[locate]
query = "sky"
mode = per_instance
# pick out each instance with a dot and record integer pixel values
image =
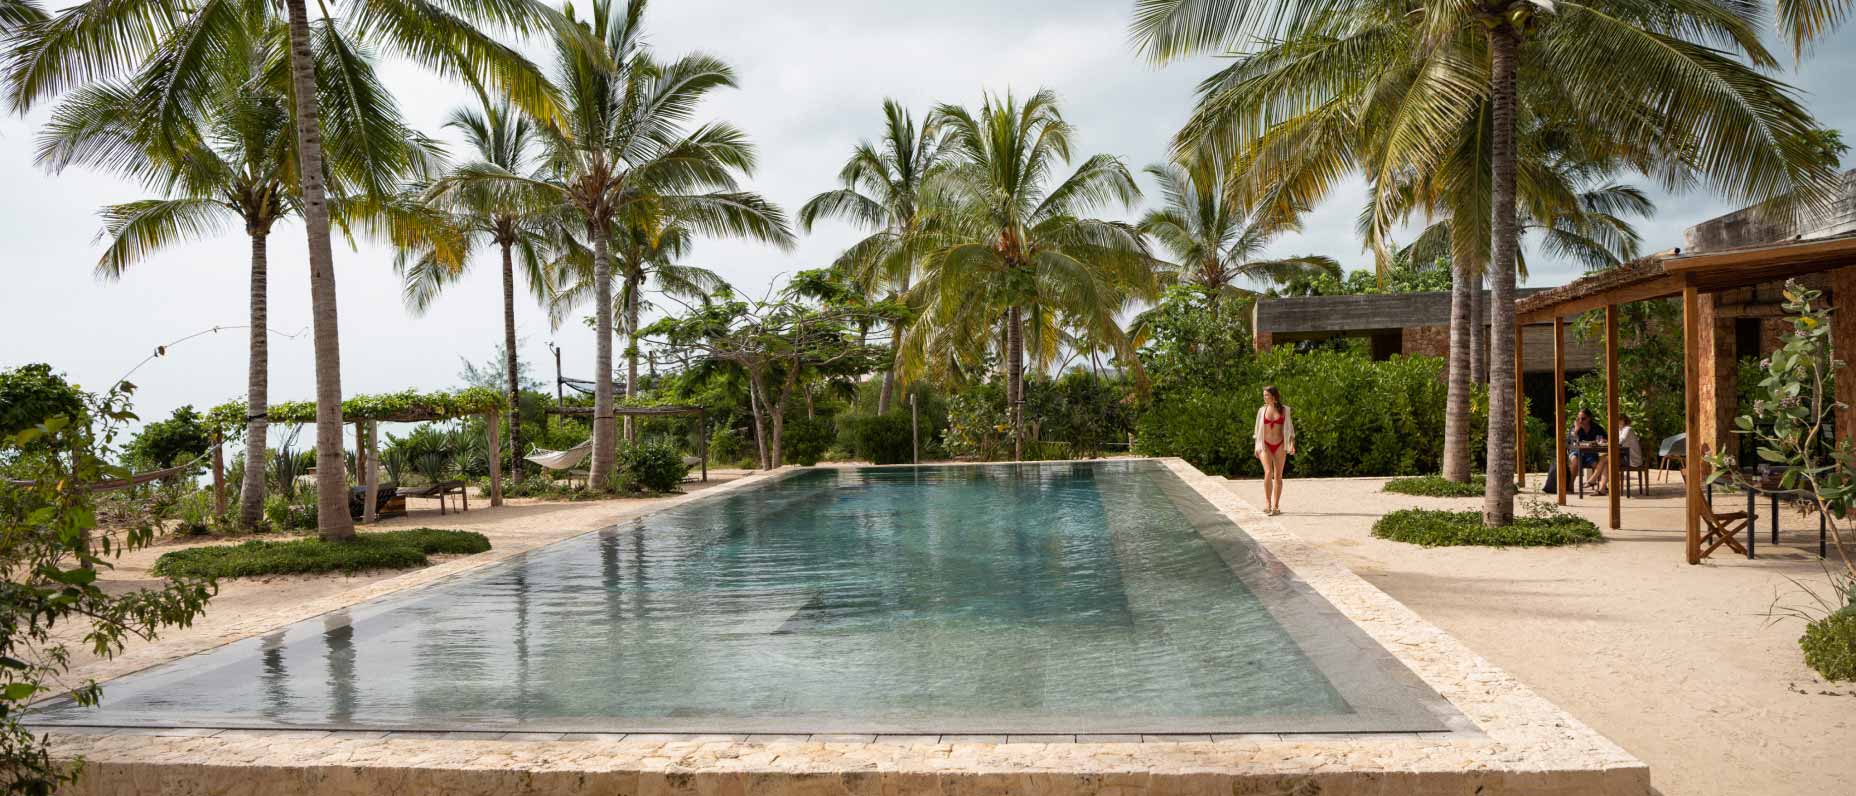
(813, 75)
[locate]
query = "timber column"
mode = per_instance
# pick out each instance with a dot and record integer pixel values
(1717, 369)
(1843, 347)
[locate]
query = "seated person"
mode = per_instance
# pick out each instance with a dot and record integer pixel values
(1585, 430)
(1633, 454)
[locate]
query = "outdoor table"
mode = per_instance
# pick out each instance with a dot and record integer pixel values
(1584, 447)
(1769, 486)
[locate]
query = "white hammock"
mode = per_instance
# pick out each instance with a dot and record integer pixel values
(562, 460)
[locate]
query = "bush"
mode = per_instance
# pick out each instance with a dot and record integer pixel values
(1830, 645)
(656, 466)
(181, 438)
(725, 445)
(885, 439)
(1432, 528)
(388, 550)
(285, 514)
(804, 439)
(1435, 486)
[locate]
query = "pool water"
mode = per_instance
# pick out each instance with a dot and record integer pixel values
(1066, 597)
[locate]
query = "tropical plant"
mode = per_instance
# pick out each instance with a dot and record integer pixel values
(99, 40)
(180, 439)
(881, 188)
(1389, 88)
(656, 466)
(51, 553)
(225, 156)
(16, 15)
(618, 154)
(1216, 241)
(438, 228)
(1018, 252)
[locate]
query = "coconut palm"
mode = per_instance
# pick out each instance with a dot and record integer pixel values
(438, 230)
(620, 153)
(1216, 242)
(229, 159)
(15, 15)
(1017, 250)
(645, 251)
(1386, 88)
(102, 39)
(881, 188)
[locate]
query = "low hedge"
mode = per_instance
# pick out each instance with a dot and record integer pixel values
(1435, 486)
(1829, 645)
(385, 550)
(1432, 528)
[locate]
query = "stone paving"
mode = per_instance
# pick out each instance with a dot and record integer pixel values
(1505, 740)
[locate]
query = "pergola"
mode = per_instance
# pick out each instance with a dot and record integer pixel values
(669, 410)
(366, 412)
(1716, 288)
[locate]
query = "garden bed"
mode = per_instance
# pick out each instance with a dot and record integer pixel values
(1433, 528)
(1435, 486)
(384, 550)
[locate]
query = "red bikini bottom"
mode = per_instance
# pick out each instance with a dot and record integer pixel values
(1273, 446)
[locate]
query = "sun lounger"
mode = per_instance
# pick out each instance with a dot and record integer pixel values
(440, 490)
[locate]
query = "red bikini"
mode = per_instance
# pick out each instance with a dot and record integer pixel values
(1273, 446)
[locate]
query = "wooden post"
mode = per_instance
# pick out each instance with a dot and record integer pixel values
(702, 441)
(1559, 408)
(370, 512)
(1520, 411)
(1613, 452)
(219, 475)
(915, 431)
(1691, 461)
(360, 452)
(496, 458)
(1843, 347)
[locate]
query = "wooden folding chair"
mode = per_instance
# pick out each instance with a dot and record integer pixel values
(1722, 529)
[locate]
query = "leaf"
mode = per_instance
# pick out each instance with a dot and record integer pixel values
(19, 692)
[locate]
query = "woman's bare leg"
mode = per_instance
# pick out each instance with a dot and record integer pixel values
(1281, 458)
(1268, 477)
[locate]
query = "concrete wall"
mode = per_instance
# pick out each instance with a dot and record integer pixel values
(1749, 227)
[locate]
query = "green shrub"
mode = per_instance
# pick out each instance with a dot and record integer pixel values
(885, 439)
(181, 438)
(387, 550)
(725, 445)
(804, 439)
(1435, 486)
(1432, 528)
(285, 514)
(655, 466)
(1830, 645)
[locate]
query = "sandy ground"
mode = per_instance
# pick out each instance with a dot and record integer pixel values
(520, 521)
(1679, 664)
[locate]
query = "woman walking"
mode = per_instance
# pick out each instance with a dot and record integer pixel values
(1275, 436)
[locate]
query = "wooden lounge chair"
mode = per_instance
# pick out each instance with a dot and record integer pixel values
(440, 490)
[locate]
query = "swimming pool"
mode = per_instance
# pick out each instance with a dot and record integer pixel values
(1077, 597)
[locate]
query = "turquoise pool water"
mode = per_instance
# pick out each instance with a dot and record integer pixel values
(1070, 597)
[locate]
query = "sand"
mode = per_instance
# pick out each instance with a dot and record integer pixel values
(1681, 665)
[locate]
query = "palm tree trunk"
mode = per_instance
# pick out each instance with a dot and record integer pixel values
(604, 434)
(257, 389)
(1456, 405)
(332, 520)
(1478, 332)
(1015, 380)
(1498, 498)
(632, 285)
(510, 365)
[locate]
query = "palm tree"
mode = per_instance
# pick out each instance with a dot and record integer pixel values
(15, 15)
(440, 230)
(228, 159)
(881, 188)
(646, 249)
(1018, 249)
(619, 154)
(1218, 242)
(99, 39)
(1386, 89)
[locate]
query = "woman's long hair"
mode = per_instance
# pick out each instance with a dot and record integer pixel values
(1273, 393)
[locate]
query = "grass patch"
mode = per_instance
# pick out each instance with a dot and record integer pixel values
(1435, 486)
(385, 550)
(1432, 528)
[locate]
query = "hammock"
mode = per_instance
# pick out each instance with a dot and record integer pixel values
(562, 460)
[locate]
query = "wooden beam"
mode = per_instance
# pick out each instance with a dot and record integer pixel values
(1613, 452)
(1843, 346)
(370, 509)
(1660, 287)
(1559, 408)
(1691, 461)
(496, 457)
(1520, 411)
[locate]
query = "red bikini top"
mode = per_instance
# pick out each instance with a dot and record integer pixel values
(1269, 422)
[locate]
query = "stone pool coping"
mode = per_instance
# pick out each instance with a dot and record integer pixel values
(1506, 739)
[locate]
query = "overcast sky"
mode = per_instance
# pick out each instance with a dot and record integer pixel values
(813, 76)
